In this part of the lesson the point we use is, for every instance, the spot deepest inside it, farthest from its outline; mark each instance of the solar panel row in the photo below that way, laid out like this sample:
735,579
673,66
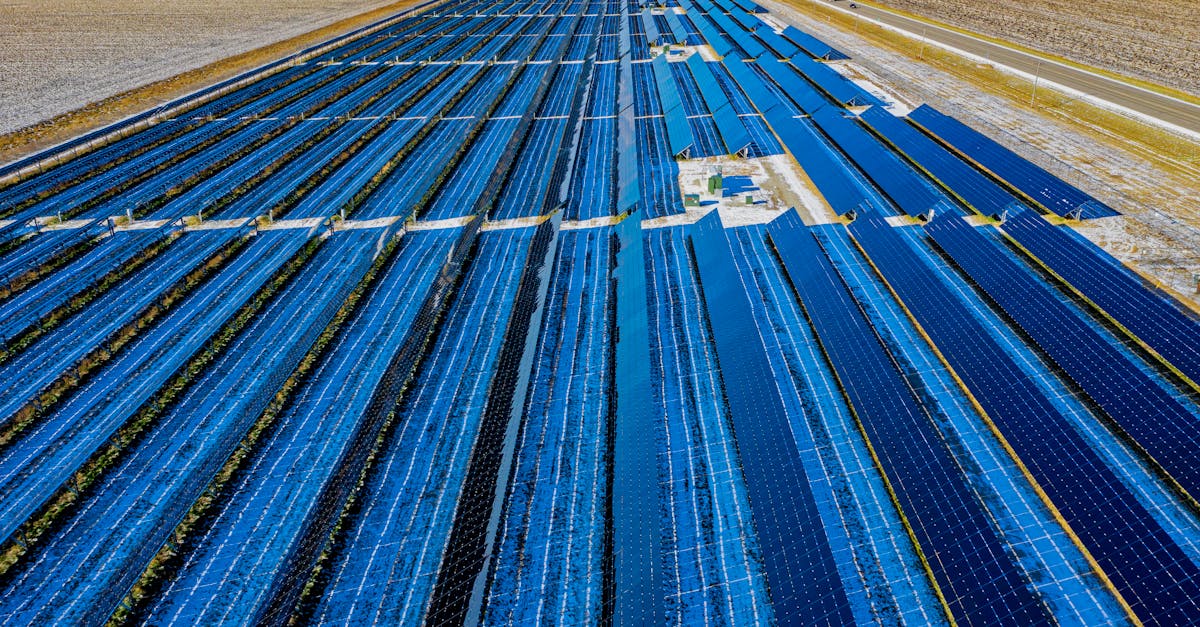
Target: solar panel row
975,572
1154,576
1152,317
803,578
733,132
1035,183
716,492
1165,430
895,178
679,132
954,175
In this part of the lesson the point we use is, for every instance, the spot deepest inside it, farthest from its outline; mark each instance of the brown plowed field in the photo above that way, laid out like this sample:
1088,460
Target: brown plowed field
1157,40
59,55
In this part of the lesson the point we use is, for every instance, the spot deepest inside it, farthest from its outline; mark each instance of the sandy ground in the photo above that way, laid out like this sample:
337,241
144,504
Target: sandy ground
755,191
1159,231
1152,38
58,55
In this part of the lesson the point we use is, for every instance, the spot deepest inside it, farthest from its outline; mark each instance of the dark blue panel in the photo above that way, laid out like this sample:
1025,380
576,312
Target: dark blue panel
825,172
813,46
678,30
679,133
1154,317
1044,188
657,171
733,132
970,185
1145,565
801,573
665,34
651,29
1167,431
970,564
635,470
744,19
34,467
894,177
689,91
712,36
23,311
750,49
750,84
44,247
780,47
839,87
793,85
628,185
763,140
741,105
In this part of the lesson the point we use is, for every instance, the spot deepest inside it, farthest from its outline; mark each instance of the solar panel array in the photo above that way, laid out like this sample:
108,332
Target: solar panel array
414,327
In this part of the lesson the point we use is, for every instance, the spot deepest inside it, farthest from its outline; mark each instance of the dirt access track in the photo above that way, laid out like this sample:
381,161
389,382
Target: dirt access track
71,66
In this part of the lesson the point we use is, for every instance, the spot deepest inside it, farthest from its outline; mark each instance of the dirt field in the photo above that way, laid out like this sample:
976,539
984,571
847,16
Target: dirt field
1153,39
58,55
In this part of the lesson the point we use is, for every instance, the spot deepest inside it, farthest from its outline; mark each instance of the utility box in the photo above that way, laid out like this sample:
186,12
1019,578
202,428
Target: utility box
691,200
714,183
749,199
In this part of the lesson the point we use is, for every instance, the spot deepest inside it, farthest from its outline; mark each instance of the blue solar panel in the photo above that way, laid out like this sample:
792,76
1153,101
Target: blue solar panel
749,48
800,139
969,562
970,185
780,46
1042,187
1153,317
679,133
801,571
793,85
635,471
813,46
721,44
733,132
678,30
653,38
1154,575
1166,430
894,177
628,186
840,88
689,91
655,475
751,85
43,247
744,19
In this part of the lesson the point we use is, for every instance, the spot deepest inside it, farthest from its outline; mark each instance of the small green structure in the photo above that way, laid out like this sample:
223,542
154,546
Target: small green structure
714,183
691,200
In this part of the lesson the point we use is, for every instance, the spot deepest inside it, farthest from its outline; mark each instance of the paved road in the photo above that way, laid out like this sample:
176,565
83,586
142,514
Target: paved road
1165,108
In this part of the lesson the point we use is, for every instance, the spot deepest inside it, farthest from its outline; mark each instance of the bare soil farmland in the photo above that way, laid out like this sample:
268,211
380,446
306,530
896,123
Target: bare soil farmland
1151,39
59,55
